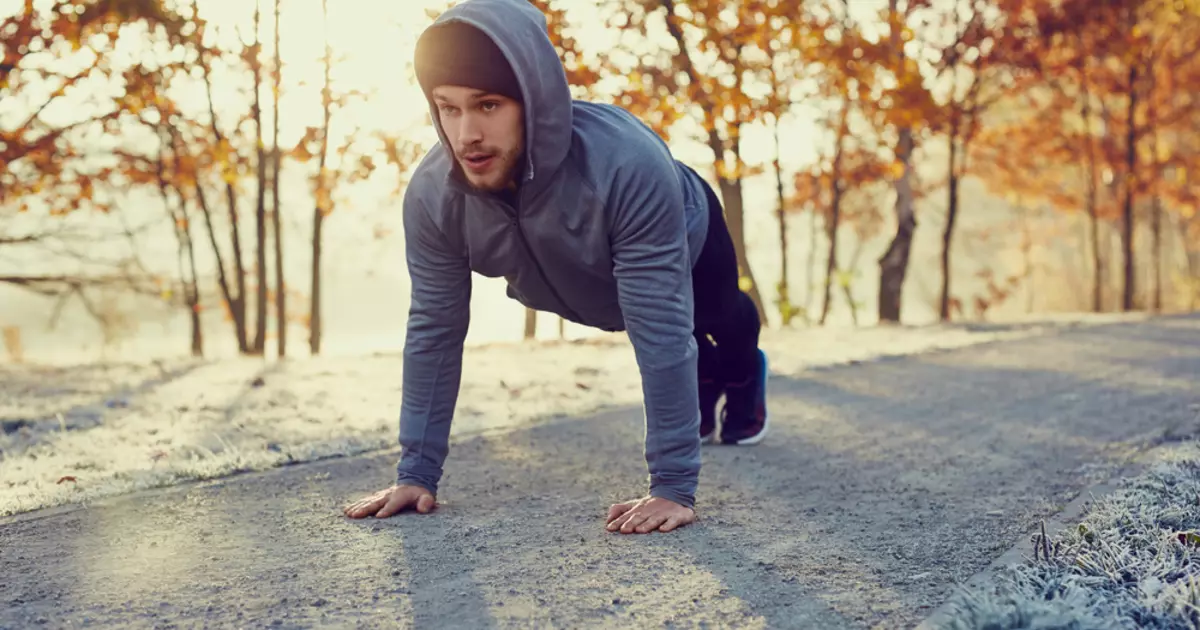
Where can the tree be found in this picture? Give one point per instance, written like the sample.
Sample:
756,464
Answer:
977,27
167,176
276,219
719,49
903,108
354,163
219,156
843,86
44,173
833,220
252,56
1101,64
787,310
786,76
845,64
324,193
146,104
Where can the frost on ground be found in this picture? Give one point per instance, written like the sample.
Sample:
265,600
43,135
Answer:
1132,562
74,434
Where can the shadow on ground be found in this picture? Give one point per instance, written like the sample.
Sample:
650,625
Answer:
881,486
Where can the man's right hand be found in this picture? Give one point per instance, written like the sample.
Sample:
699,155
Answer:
392,500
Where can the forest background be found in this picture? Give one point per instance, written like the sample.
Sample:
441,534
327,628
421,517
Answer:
221,177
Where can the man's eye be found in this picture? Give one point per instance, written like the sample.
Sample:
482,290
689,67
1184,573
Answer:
448,109
489,106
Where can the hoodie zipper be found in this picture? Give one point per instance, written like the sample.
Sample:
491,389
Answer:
514,216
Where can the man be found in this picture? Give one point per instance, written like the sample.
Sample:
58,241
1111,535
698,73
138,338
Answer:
584,212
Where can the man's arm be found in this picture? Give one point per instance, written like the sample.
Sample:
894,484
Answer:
654,283
438,319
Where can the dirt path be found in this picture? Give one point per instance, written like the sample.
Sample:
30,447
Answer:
881,486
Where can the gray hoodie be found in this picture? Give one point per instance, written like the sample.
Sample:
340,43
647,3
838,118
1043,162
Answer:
606,228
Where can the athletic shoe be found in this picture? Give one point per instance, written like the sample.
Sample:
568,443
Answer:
744,418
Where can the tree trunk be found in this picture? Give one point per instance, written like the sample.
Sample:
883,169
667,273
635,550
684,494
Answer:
276,220
786,310
893,265
951,217
260,201
530,323
192,289
315,323
183,238
809,291
194,293
235,303
324,198
235,313
1090,203
1130,185
835,212
1156,303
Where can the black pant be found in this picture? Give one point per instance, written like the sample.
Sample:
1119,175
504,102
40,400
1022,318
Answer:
726,320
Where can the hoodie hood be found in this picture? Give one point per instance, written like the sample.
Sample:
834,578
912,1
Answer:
519,30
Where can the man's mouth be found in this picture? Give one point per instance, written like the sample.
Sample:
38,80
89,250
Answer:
478,161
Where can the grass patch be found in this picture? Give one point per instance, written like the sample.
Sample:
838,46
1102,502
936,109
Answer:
1133,561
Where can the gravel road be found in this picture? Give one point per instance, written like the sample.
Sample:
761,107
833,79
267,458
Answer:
881,486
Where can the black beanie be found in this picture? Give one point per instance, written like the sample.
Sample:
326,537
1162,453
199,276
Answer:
460,54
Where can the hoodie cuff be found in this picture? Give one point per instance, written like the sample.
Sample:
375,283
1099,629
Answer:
681,491
418,475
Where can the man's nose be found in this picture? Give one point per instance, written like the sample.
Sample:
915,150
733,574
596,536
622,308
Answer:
470,131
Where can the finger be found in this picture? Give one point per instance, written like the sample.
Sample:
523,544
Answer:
634,521
670,524
652,523
364,504
365,507
617,510
619,521
397,502
426,503
359,503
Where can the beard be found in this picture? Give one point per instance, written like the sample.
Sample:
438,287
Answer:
499,174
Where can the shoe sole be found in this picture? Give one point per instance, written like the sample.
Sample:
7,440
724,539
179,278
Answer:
757,437
762,433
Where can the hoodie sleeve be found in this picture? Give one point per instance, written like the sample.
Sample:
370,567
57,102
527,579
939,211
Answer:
437,327
654,286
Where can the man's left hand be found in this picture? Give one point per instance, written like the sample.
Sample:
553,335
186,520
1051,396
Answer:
649,514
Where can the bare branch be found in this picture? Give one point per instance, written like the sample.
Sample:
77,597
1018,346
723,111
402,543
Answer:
28,238
62,90
54,285
16,151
